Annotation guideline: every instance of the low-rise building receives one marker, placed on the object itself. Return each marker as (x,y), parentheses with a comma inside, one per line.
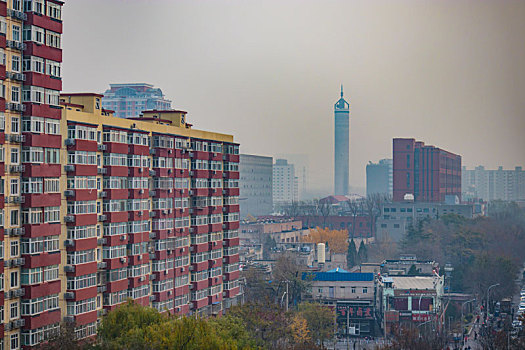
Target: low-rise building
(409,301)
(352,295)
(397,217)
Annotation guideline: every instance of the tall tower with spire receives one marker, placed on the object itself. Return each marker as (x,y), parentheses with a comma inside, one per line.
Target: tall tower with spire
(341,145)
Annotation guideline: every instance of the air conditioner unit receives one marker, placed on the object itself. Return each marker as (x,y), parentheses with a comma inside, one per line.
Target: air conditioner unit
(122,238)
(123,260)
(140,170)
(141,191)
(142,278)
(139,257)
(165,272)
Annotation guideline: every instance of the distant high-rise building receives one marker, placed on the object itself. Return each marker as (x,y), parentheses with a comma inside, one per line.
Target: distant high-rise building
(341,145)
(129,100)
(379,177)
(284,182)
(301,166)
(425,173)
(255,185)
(508,185)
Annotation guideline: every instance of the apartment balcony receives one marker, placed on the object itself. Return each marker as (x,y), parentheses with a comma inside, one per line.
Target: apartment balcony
(43,21)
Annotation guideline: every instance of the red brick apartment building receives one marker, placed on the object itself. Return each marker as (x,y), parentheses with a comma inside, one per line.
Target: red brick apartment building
(426,172)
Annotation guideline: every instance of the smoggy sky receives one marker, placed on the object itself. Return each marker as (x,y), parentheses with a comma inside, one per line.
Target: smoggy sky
(449,73)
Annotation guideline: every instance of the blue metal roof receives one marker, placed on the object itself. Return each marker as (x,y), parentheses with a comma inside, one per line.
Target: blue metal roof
(340,275)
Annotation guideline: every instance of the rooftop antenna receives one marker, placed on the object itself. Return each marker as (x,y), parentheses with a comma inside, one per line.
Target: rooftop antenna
(341,90)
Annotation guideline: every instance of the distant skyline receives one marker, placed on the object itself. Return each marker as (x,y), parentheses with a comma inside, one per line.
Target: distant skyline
(450,73)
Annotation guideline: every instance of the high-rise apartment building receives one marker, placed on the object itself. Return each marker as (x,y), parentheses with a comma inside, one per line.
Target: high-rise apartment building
(97,209)
(499,184)
(30,142)
(284,185)
(150,212)
(341,146)
(379,177)
(129,100)
(255,185)
(424,173)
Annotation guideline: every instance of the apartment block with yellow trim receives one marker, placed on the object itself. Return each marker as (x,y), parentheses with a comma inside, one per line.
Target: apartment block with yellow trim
(152,212)
(31,279)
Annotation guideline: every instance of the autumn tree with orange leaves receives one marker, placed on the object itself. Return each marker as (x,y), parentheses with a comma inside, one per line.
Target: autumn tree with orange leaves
(337,239)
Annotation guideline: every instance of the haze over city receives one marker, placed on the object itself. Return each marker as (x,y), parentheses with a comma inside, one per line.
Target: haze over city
(450,72)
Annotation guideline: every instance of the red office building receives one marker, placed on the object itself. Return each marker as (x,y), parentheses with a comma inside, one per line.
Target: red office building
(427,173)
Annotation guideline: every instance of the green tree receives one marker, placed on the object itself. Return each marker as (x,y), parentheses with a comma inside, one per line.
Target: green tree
(412,271)
(362,254)
(320,320)
(133,326)
(351,255)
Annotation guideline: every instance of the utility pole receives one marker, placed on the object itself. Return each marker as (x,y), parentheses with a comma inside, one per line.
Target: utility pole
(287,295)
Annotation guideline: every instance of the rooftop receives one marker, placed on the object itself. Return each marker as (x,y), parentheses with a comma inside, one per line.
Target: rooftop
(413,282)
(339,274)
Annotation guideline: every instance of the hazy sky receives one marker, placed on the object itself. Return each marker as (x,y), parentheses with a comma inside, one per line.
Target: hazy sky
(450,73)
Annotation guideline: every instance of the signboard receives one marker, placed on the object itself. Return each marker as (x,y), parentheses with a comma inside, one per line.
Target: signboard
(429,293)
(392,316)
(421,317)
(355,311)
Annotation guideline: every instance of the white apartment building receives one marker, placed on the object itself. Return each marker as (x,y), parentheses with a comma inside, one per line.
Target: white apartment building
(285,183)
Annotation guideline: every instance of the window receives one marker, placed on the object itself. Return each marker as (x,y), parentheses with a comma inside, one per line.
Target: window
(80,282)
(14,310)
(15,249)
(31,307)
(14,217)
(52,127)
(15,33)
(32,185)
(53,68)
(33,124)
(52,185)
(81,307)
(15,125)
(365,290)
(51,214)
(14,279)
(14,188)
(54,11)
(53,39)
(52,97)
(15,94)
(353,290)
(33,94)
(15,63)
(15,341)
(32,155)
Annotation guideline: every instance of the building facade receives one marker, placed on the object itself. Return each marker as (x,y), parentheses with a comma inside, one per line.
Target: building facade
(255,185)
(397,217)
(30,143)
(152,212)
(379,177)
(409,301)
(488,185)
(284,187)
(341,146)
(352,294)
(424,173)
(129,100)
